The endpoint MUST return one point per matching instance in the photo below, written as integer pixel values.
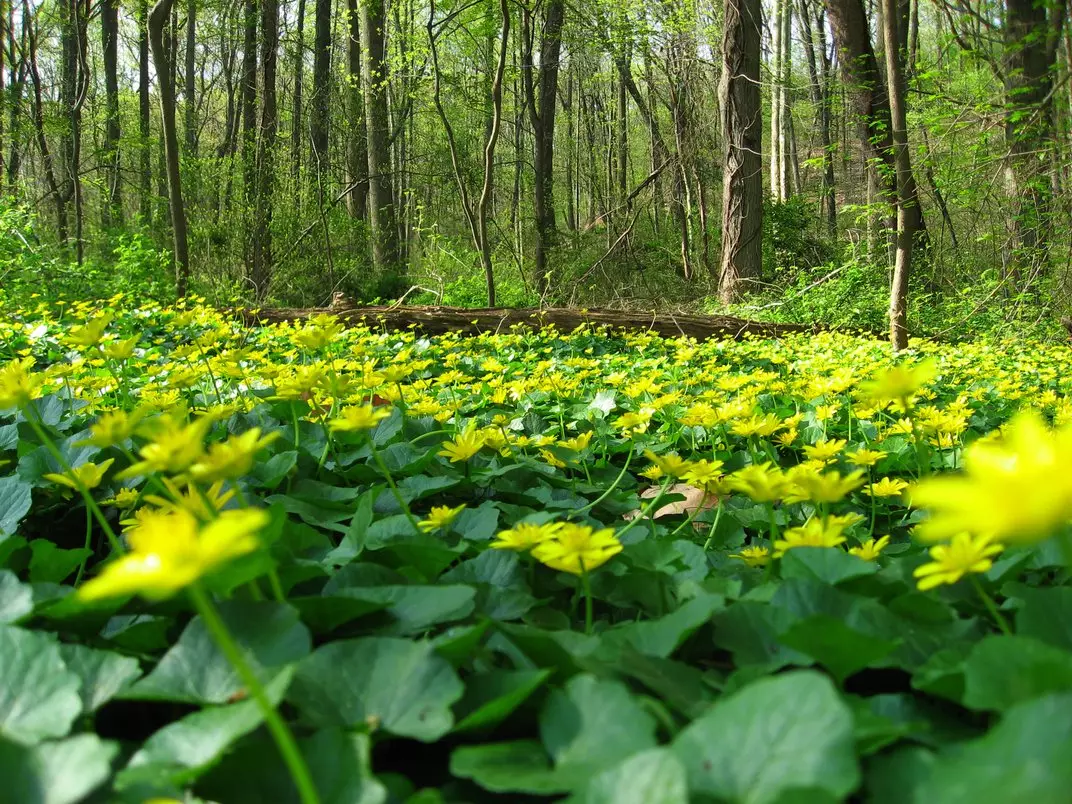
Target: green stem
(89, 534)
(587, 586)
(394, 488)
(991, 607)
(714, 526)
(284, 740)
(611, 487)
(91, 504)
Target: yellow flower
(120, 350)
(18, 385)
(787, 437)
(865, 457)
(358, 418)
(578, 443)
(89, 475)
(1017, 490)
(887, 487)
(753, 556)
(550, 459)
(765, 425)
(634, 422)
(577, 548)
(824, 450)
(827, 487)
(671, 463)
(124, 499)
(169, 550)
(464, 446)
(439, 517)
(951, 562)
(202, 503)
(814, 533)
(525, 535)
(113, 427)
(898, 383)
(173, 448)
(762, 482)
(704, 475)
(90, 333)
(232, 458)
(825, 412)
(870, 549)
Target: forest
(474, 401)
(791, 160)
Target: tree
(903, 165)
(386, 254)
(541, 107)
(321, 101)
(261, 272)
(158, 20)
(112, 208)
(357, 184)
(742, 135)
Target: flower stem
(587, 586)
(394, 488)
(295, 763)
(991, 607)
(91, 504)
(89, 551)
(611, 487)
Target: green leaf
(776, 734)
(662, 636)
(103, 674)
(62, 772)
(1047, 616)
(825, 564)
(396, 685)
(38, 695)
(15, 501)
(338, 761)
(195, 671)
(749, 630)
(493, 696)
(593, 723)
(416, 608)
(478, 524)
(517, 767)
(837, 647)
(655, 776)
(183, 750)
(1004, 670)
(353, 540)
(50, 564)
(1025, 758)
(896, 777)
(16, 599)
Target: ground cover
(309, 563)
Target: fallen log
(472, 321)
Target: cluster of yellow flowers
(566, 546)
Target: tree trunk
(542, 117)
(145, 148)
(321, 100)
(47, 163)
(871, 99)
(386, 254)
(742, 135)
(905, 235)
(357, 143)
(1031, 41)
(776, 140)
(269, 124)
(297, 134)
(189, 94)
(112, 206)
(158, 20)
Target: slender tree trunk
(262, 231)
(321, 100)
(47, 163)
(18, 82)
(357, 143)
(542, 117)
(297, 134)
(902, 269)
(386, 254)
(776, 141)
(189, 94)
(159, 17)
(742, 135)
(112, 206)
(145, 148)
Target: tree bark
(47, 162)
(158, 20)
(189, 94)
(542, 117)
(386, 254)
(145, 153)
(357, 142)
(297, 133)
(742, 135)
(321, 101)
(269, 124)
(902, 269)
(112, 206)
